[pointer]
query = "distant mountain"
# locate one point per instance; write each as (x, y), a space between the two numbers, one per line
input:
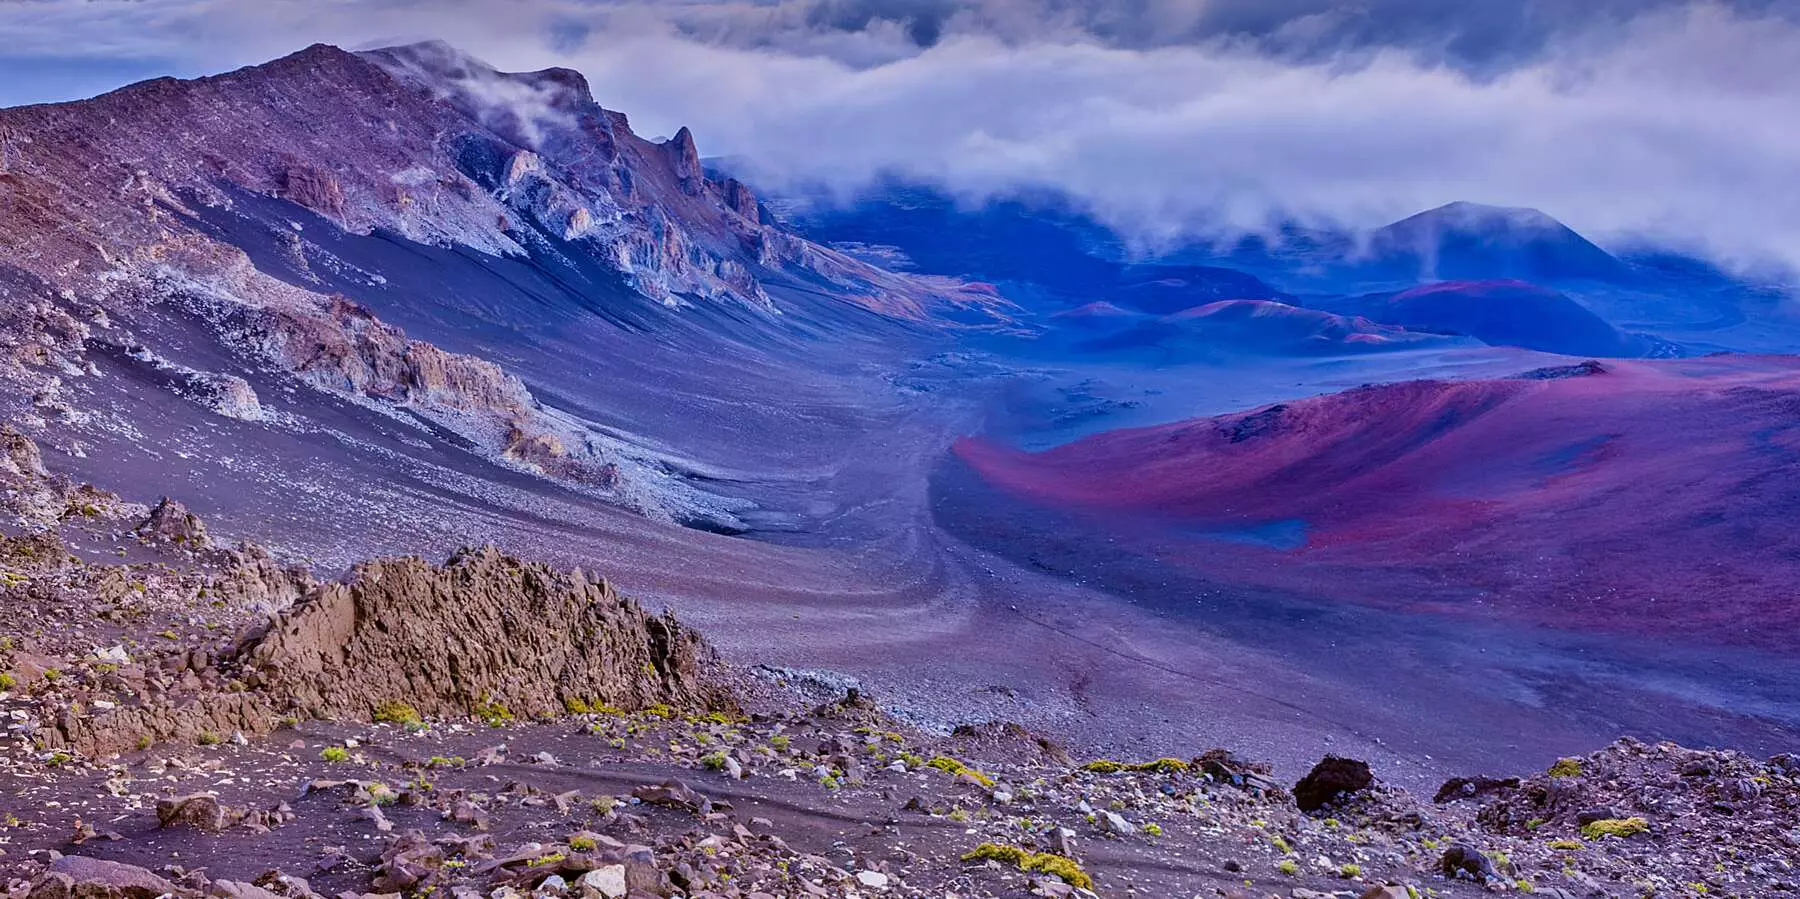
(1471, 241)
(1039, 243)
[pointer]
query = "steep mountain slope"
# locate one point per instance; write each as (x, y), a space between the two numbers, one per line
(230, 238)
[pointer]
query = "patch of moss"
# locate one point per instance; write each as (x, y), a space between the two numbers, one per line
(1566, 768)
(579, 843)
(1038, 862)
(1350, 872)
(955, 768)
(1288, 866)
(1614, 827)
(335, 754)
(713, 762)
(7, 682)
(208, 738)
(1565, 845)
(396, 712)
(1159, 766)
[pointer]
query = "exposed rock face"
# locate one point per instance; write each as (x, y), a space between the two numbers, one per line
(485, 635)
(345, 348)
(19, 455)
(316, 190)
(228, 395)
(484, 630)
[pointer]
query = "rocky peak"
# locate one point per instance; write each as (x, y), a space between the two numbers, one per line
(685, 156)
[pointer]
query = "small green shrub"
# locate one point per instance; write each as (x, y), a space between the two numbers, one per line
(1159, 766)
(208, 738)
(1060, 866)
(335, 754)
(579, 843)
(1288, 866)
(955, 768)
(1614, 827)
(1566, 768)
(396, 712)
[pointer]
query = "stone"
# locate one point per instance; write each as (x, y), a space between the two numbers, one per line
(607, 882)
(232, 889)
(170, 521)
(1113, 822)
(197, 810)
(1330, 779)
(98, 878)
(1468, 863)
(874, 880)
(674, 794)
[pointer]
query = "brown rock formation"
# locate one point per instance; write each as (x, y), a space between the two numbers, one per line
(485, 634)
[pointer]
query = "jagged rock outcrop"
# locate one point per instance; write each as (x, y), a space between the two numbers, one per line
(343, 347)
(19, 455)
(484, 631)
(483, 635)
(170, 521)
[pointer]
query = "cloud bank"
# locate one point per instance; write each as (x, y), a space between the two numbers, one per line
(1624, 118)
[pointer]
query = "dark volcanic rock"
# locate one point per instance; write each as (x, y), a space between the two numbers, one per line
(1464, 861)
(1472, 787)
(1329, 779)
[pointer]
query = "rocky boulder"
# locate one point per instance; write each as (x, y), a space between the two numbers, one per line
(80, 877)
(171, 522)
(1330, 779)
